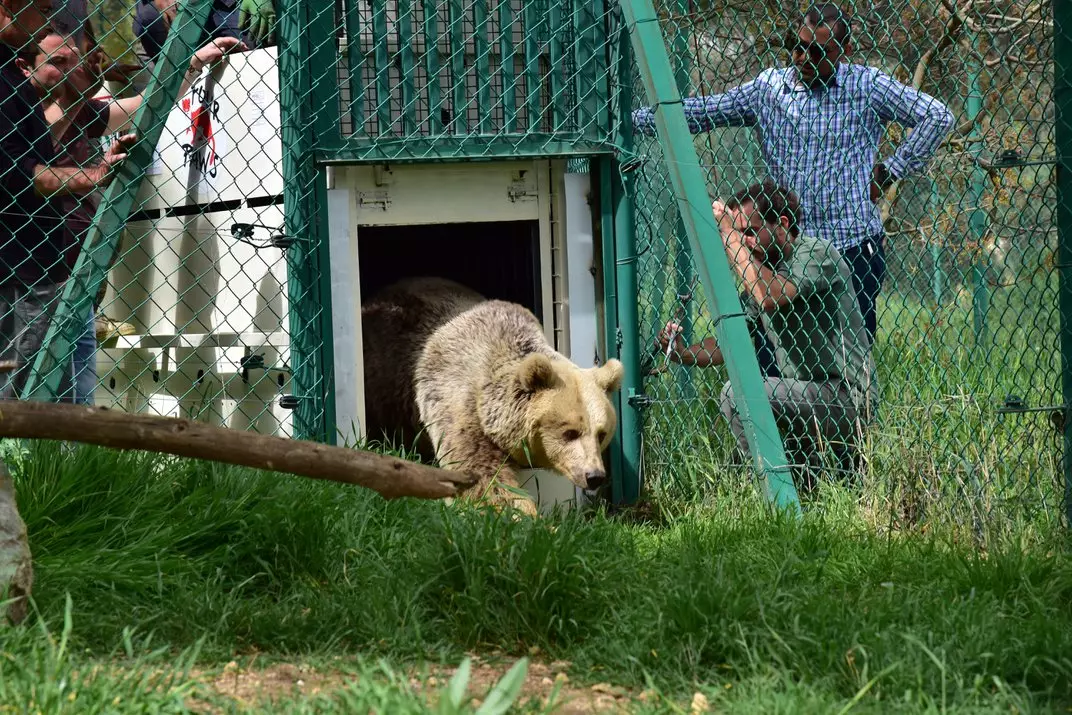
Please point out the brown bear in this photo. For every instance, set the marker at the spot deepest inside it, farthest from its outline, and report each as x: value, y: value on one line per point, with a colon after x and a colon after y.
x: 473, y: 384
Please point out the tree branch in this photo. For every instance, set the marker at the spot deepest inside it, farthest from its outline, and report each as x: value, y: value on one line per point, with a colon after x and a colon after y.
x: 953, y: 27
x: 388, y: 476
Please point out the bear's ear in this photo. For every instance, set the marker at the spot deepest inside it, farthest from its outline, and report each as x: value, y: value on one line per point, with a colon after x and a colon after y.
x: 535, y: 373
x: 609, y: 375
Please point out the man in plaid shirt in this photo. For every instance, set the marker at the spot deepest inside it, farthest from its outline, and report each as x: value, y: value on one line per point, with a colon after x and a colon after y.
x: 820, y: 122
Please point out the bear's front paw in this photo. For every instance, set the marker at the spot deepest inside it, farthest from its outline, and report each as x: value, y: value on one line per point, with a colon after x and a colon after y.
x: 526, y: 507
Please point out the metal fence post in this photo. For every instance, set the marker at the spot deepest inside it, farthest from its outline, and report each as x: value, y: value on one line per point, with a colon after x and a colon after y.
x: 91, y: 267
x: 625, y: 259
x: 1062, y: 95
x: 304, y: 201
x: 683, y: 167
x: 682, y: 254
x: 980, y: 289
x: 606, y: 169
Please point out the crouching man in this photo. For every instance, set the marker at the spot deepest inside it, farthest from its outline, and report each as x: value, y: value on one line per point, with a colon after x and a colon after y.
x: 800, y: 292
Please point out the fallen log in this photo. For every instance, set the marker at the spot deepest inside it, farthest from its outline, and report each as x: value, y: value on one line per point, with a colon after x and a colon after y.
x: 391, y: 477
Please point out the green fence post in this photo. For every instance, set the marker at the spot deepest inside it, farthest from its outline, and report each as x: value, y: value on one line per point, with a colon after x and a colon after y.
x: 978, y: 220
x: 937, y: 272
x: 327, y: 105
x: 625, y: 259
x: 720, y: 290
x: 606, y: 168
x: 1062, y: 95
x: 682, y: 254
x: 302, y: 111
x: 91, y: 267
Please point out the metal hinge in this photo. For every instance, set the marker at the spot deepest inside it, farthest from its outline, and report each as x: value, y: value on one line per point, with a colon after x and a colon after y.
x: 374, y: 199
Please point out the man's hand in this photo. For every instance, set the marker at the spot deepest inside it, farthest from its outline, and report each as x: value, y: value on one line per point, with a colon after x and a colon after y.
x: 121, y: 73
x: 880, y: 181
x: 723, y: 215
x: 52, y: 181
x: 215, y: 51
x: 167, y: 9
x: 671, y: 334
x: 732, y: 239
x: 102, y: 174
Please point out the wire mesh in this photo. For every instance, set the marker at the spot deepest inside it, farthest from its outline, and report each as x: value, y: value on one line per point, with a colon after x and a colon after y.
x: 194, y: 317
x: 457, y: 79
x: 970, y: 417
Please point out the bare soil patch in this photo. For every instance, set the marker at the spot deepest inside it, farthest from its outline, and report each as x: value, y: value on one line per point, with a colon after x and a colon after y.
x: 256, y: 687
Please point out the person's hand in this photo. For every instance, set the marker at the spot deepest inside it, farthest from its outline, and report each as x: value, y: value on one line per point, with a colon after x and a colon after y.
x: 167, y: 9
x: 257, y: 17
x: 720, y: 211
x: 671, y: 333
x: 732, y: 239
x: 215, y: 51
x: 102, y: 174
x: 880, y: 181
x: 121, y: 73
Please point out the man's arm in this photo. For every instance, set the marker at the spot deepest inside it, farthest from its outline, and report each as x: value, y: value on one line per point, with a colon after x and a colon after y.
x: 121, y: 112
x: 930, y: 119
x: 733, y: 108
x: 51, y: 181
x: 704, y: 354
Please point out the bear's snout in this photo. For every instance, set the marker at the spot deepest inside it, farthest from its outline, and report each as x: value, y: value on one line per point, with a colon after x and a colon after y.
x: 595, y: 479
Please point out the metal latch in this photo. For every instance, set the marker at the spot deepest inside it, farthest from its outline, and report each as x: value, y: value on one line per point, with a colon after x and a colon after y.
x: 640, y: 401
x: 519, y: 189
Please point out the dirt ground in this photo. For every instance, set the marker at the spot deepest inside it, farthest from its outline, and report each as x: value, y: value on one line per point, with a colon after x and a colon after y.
x: 257, y: 687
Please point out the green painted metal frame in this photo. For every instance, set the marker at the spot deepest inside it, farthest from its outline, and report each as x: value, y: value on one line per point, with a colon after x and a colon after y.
x: 605, y: 169
x: 625, y: 262
x: 683, y: 166
x: 1062, y: 95
x: 308, y: 105
x: 682, y: 255
x: 978, y: 219
x: 431, y: 149
x: 91, y: 267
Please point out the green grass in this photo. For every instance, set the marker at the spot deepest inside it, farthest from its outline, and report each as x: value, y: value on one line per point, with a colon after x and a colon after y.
x: 172, y: 563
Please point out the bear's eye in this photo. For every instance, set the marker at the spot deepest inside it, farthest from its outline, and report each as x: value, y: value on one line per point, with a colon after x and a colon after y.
x: 571, y: 434
x: 601, y: 436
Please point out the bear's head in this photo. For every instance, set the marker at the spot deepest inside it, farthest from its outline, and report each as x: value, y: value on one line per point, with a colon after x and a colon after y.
x: 563, y: 419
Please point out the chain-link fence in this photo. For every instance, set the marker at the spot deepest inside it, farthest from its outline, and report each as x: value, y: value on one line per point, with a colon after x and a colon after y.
x: 173, y: 279
x: 970, y: 417
x: 200, y: 276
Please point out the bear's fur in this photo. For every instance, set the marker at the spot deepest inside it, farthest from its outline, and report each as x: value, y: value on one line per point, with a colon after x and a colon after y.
x: 473, y: 384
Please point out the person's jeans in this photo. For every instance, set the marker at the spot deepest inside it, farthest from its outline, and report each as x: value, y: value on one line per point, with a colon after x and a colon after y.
x: 150, y: 30
x: 84, y: 364
x: 809, y: 416
x: 868, y: 264
x: 25, y: 314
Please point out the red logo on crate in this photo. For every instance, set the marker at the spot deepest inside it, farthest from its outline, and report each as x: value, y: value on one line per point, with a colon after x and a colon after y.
x: 199, y: 133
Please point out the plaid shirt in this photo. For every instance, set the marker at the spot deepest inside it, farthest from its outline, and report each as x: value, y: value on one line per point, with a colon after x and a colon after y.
x: 822, y: 143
